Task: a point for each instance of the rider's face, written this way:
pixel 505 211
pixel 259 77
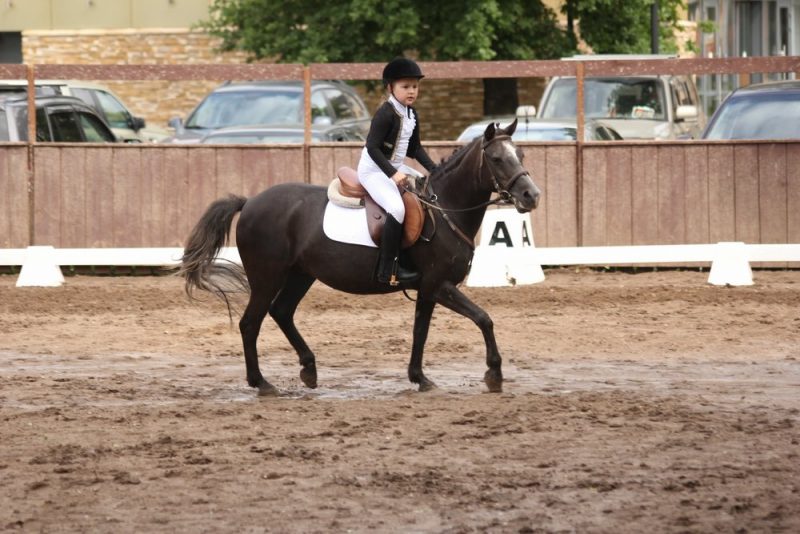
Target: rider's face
pixel 405 90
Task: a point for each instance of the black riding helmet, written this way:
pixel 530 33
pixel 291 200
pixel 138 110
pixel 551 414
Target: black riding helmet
pixel 401 67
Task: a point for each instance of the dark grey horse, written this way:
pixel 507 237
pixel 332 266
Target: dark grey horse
pixel 284 250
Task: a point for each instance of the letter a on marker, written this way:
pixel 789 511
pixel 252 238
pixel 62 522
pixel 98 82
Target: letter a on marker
pixel 526 240
pixel 501 228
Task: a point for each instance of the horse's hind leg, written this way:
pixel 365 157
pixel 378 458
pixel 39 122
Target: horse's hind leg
pixel 250 326
pixel 282 311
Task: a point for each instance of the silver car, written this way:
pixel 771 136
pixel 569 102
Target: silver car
pixel 291 134
pixel 274 103
pixel 638 107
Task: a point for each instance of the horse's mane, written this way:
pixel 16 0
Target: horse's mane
pixel 454 159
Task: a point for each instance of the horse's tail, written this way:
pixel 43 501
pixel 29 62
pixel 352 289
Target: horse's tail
pixel 199 265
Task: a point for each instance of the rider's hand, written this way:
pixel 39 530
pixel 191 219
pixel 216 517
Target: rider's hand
pixel 400 178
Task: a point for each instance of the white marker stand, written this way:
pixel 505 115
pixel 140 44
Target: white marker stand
pixel 40 268
pixel 506 255
pixel 731 265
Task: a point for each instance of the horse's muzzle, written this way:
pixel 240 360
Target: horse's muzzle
pixel 527 196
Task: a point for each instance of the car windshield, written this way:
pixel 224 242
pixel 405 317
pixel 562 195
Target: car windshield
pixel 564 133
pixel 634 98
pixel 243 108
pixel 766 115
pixel 533 132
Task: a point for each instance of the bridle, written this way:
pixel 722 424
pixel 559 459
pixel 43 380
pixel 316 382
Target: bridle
pixel 500 190
pixel 432 200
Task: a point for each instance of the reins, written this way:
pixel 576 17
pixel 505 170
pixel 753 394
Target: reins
pixel 432 200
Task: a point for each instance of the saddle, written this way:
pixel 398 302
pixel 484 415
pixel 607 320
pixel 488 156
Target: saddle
pixel 345 190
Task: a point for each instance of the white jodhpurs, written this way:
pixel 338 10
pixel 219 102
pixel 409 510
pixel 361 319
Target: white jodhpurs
pixel 384 191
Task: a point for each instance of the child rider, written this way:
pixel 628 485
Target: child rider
pixel 393 136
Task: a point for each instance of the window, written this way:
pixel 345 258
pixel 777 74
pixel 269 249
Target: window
pixel 682 94
pixel 85 95
pixel 345 107
pixel 65 126
pixel 115 113
pixel 319 107
pixel 748 22
pixel 94 130
pixel 10 47
pixel 767 115
pixel 4 135
pixel 42 126
pixel 634 98
pixel 242 108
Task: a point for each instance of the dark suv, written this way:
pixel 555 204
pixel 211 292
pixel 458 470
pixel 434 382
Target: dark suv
pixel 271 103
pixel 59 119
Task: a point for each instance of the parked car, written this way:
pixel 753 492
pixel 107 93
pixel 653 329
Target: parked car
pixel 60 119
pixel 759 111
pixel 260 134
pixel 530 128
pixel 638 107
pixel 123 123
pixel 262 103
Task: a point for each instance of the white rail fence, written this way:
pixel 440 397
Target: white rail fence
pixel 492 266
pixel 506 256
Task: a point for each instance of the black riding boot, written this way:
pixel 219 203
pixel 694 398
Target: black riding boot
pixel 389 269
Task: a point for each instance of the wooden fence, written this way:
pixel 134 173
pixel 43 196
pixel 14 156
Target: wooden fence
pixel 617 193
pixel 627 193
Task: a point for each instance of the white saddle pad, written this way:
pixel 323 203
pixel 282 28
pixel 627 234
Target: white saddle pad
pixel 347 225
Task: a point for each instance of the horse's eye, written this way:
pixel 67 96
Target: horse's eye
pixel 497 159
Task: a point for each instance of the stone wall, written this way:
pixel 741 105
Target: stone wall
pixel 446 107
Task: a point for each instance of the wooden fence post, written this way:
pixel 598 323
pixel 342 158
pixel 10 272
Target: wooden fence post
pixel 307 124
pixel 580 121
pixel 31 142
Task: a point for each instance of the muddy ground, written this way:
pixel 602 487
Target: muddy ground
pixel 647 402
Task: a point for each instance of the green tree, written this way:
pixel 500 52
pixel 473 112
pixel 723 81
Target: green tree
pixel 308 31
pixel 623 26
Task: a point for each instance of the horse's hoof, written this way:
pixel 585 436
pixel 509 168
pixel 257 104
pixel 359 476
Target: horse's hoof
pixel 309 377
pixel 494 380
pixel 267 390
pixel 427 385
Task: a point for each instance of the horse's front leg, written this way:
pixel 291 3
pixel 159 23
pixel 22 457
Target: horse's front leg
pixel 422 323
pixel 452 298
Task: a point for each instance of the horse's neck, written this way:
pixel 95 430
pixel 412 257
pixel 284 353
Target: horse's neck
pixel 461 188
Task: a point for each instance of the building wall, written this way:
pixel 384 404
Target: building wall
pixel 18 15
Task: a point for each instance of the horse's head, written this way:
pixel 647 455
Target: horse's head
pixel 504 161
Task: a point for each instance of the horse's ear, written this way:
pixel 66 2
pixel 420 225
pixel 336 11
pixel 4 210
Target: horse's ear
pixel 511 127
pixel 488 134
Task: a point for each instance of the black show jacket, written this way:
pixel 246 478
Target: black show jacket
pixel 384 133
